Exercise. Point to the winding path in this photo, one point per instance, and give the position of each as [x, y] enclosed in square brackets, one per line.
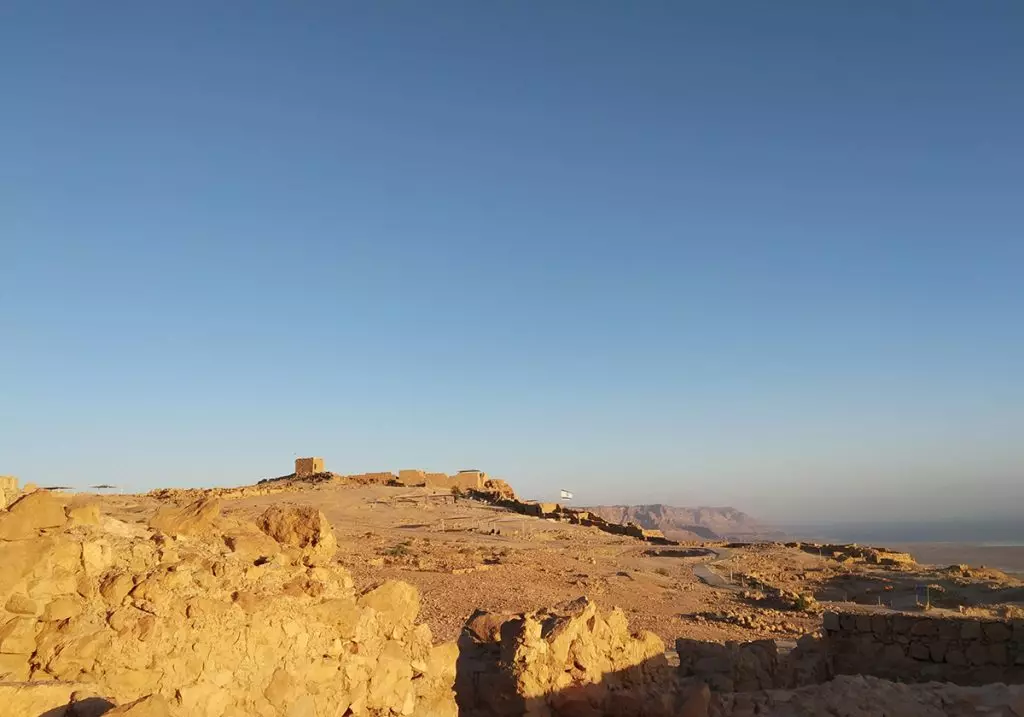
[708, 576]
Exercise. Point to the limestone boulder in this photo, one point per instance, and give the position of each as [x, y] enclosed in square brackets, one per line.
[301, 527]
[397, 602]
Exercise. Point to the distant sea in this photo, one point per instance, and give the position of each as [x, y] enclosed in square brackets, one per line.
[997, 543]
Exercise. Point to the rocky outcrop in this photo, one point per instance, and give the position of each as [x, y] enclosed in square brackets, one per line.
[684, 523]
[573, 660]
[180, 620]
[496, 489]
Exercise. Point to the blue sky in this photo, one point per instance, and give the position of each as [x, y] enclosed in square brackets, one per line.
[760, 254]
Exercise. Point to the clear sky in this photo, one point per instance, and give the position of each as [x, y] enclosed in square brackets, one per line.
[761, 254]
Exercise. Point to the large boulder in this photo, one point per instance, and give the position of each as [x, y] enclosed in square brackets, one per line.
[31, 513]
[301, 527]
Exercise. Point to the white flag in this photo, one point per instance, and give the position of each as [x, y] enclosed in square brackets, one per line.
[566, 495]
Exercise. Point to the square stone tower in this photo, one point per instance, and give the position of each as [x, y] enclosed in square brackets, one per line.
[308, 466]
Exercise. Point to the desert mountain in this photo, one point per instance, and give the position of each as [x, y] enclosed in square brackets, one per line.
[685, 523]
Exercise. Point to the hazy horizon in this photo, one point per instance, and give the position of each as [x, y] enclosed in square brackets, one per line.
[761, 255]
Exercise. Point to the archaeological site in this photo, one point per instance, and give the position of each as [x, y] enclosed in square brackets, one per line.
[425, 594]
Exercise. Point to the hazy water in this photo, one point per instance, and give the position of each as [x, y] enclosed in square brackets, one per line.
[994, 543]
[1003, 532]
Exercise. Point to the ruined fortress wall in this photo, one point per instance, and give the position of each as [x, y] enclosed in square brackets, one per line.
[411, 478]
[467, 481]
[437, 480]
[913, 648]
[752, 666]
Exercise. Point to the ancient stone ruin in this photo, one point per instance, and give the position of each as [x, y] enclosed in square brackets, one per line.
[305, 467]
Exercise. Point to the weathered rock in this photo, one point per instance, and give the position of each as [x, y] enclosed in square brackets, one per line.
[301, 527]
[21, 604]
[116, 587]
[567, 661]
[149, 706]
[252, 544]
[484, 626]
[63, 608]
[497, 489]
[142, 614]
[17, 636]
[14, 668]
[85, 514]
[397, 602]
[200, 518]
[42, 509]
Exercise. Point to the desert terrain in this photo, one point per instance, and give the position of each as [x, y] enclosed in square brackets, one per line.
[435, 575]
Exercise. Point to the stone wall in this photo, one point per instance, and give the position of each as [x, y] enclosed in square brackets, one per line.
[751, 666]
[893, 646]
[556, 511]
[913, 648]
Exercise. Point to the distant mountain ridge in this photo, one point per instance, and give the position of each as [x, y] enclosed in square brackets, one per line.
[702, 523]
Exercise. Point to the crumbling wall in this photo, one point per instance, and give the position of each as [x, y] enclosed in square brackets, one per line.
[912, 648]
[216, 617]
[468, 480]
[751, 666]
[894, 646]
[556, 511]
[573, 660]
[854, 553]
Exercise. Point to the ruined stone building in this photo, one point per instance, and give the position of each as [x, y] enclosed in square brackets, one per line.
[308, 466]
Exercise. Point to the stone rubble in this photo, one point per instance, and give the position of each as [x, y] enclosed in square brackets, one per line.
[198, 614]
[570, 661]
